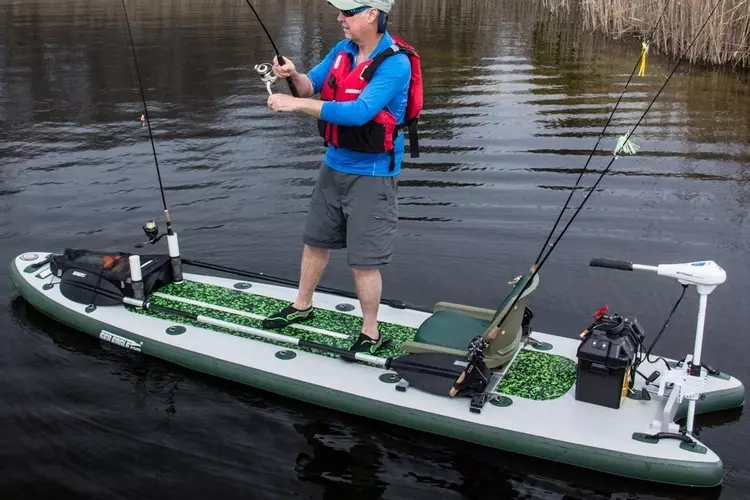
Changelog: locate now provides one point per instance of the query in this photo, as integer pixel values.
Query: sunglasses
(354, 12)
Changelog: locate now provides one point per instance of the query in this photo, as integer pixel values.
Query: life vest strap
(330, 131)
(378, 60)
(413, 138)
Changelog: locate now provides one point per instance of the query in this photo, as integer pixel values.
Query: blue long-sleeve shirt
(388, 89)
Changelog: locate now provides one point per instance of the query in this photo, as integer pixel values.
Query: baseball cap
(382, 5)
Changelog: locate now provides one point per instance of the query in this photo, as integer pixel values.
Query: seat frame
(503, 339)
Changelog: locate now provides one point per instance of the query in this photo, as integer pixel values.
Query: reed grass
(725, 39)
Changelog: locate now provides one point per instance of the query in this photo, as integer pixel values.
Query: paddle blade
(430, 372)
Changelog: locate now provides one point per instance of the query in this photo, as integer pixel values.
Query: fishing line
(148, 121)
(629, 134)
(591, 155)
(292, 88)
(538, 265)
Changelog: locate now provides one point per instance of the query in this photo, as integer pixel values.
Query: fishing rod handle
(289, 80)
(292, 88)
(612, 264)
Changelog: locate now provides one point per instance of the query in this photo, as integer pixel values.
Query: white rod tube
(136, 276)
(135, 268)
(174, 254)
(174, 246)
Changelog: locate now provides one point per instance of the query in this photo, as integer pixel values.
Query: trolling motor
(689, 379)
(267, 76)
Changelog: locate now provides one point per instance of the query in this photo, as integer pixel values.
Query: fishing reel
(151, 229)
(267, 76)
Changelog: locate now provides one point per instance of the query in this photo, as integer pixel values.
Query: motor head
(707, 273)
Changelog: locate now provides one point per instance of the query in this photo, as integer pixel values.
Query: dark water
(515, 101)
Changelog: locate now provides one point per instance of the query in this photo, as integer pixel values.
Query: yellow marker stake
(644, 53)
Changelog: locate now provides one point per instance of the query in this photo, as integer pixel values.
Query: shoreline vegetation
(724, 41)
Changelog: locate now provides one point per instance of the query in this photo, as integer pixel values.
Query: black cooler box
(604, 364)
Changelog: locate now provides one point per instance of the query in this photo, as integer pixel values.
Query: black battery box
(605, 359)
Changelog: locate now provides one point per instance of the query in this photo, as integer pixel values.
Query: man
(354, 202)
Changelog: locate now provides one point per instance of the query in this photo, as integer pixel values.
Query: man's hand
(300, 80)
(284, 71)
(282, 102)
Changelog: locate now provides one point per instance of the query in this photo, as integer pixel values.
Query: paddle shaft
(402, 365)
(389, 363)
(394, 363)
(258, 333)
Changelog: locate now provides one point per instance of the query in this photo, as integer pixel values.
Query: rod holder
(174, 255)
(136, 276)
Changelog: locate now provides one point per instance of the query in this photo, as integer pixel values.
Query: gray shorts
(356, 212)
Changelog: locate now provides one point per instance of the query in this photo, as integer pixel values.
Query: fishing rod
(601, 135)
(152, 230)
(292, 87)
(622, 144)
(395, 303)
(150, 227)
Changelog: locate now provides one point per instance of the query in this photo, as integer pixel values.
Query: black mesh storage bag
(103, 278)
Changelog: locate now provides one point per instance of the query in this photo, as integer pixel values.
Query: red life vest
(379, 134)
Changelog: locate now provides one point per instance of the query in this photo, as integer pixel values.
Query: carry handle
(612, 264)
(599, 368)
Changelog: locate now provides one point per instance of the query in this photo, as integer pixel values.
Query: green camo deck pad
(533, 375)
(265, 306)
(538, 375)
